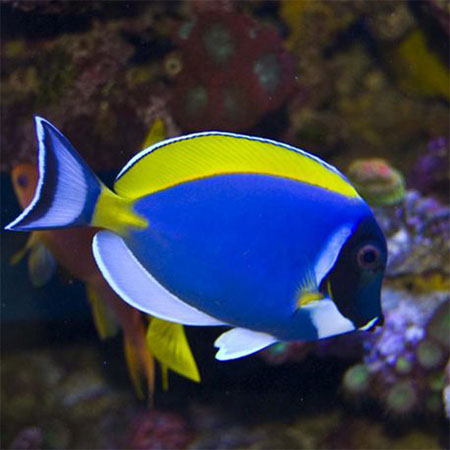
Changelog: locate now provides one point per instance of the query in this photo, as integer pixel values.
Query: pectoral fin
(41, 265)
(239, 342)
(167, 341)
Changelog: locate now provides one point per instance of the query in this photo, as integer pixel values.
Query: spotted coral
(233, 71)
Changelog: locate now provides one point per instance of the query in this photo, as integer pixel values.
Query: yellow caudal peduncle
(115, 213)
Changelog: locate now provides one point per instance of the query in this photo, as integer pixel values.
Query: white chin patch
(327, 319)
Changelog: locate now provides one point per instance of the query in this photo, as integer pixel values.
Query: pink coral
(234, 70)
(154, 429)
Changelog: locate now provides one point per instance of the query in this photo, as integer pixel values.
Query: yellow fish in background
(71, 249)
(418, 69)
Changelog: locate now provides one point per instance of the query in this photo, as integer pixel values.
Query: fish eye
(368, 257)
(22, 180)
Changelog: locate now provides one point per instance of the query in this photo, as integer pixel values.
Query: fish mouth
(372, 324)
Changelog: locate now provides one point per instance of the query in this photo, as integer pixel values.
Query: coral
(313, 25)
(62, 392)
(356, 379)
(390, 23)
(87, 85)
(357, 112)
(377, 182)
(230, 71)
(433, 14)
(404, 360)
(28, 439)
(418, 240)
(430, 173)
(157, 430)
(347, 346)
(446, 391)
(283, 352)
(51, 7)
(327, 429)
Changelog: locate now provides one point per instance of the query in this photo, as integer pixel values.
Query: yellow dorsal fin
(201, 155)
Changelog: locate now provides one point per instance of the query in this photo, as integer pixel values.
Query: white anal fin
(240, 342)
(134, 284)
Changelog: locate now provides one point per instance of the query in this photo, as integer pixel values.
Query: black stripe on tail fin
(67, 189)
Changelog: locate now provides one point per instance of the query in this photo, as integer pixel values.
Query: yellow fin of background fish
(134, 366)
(140, 365)
(164, 377)
(18, 256)
(156, 133)
(105, 323)
(418, 69)
(168, 343)
(206, 154)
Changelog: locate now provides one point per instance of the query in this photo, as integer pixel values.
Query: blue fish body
(237, 246)
(223, 229)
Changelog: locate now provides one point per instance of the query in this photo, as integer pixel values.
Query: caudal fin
(67, 190)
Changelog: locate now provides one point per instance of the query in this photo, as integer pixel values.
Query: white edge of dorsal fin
(136, 286)
(239, 342)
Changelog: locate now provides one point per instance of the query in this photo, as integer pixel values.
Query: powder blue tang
(223, 229)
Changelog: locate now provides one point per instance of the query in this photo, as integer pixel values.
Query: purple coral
(404, 362)
(430, 174)
(27, 439)
(418, 235)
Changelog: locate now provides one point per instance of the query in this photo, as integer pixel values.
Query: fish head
(24, 179)
(354, 282)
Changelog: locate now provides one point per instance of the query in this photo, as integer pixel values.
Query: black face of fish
(355, 281)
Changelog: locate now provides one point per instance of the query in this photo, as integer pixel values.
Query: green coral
(356, 379)
(56, 76)
(377, 182)
(401, 398)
